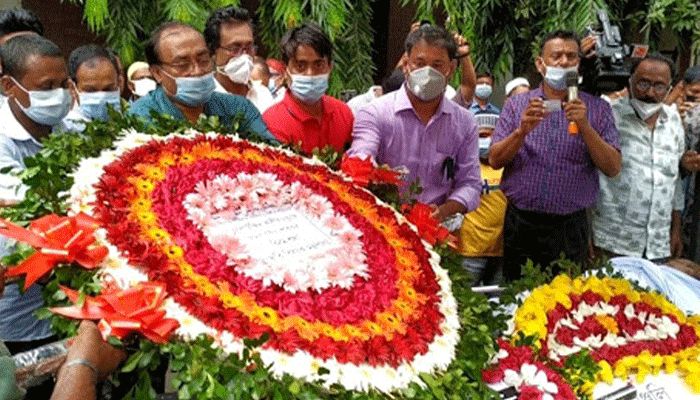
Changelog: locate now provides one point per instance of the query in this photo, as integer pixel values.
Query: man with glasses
(551, 176)
(229, 36)
(182, 66)
(639, 212)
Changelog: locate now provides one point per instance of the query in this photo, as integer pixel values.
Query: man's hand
(532, 116)
(463, 48)
(588, 46)
(676, 243)
(687, 106)
(691, 161)
(89, 345)
(576, 111)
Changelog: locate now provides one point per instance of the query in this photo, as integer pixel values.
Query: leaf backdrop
(505, 34)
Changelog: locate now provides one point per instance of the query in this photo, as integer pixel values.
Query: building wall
(63, 23)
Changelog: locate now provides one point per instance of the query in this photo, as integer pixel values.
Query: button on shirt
(291, 124)
(17, 320)
(389, 131)
(634, 208)
(553, 172)
(227, 107)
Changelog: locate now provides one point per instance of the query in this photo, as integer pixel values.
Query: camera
(609, 70)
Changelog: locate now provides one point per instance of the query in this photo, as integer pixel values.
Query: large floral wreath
(367, 306)
(626, 331)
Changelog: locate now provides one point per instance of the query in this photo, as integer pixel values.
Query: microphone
(572, 85)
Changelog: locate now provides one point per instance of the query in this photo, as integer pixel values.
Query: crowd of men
(512, 184)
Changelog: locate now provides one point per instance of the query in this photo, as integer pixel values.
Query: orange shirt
(289, 123)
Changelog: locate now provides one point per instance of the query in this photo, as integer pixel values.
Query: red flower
(359, 170)
(530, 393)
(429, 228)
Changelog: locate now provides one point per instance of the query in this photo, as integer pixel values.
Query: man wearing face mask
(229, 36)
(277, 76)
(482, 94)
(415, 127)
(307, 116)
(95, 86)
(551, 176)
(139, 80)
(481, 233)
(36, 84)
(181, 64)
(639, 212)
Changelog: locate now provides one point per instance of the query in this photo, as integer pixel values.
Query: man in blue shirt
(36, 85)
(482, 94)
(182, 65)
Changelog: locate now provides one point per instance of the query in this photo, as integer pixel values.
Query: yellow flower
(608, 323)
(158, 235)
(174, 251)
(606, 373)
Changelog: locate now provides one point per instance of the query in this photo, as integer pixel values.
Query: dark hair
(16, 51)
(260, 62)
(433, 35)
(212, 28)
(692, 74)
(655, 57)
(88, 55)
(19, 20)
(484, 74)
(560, 34)
(151, 49)
(308, 34)
(393, 81)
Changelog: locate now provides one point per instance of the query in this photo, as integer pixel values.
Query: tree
(127, 23)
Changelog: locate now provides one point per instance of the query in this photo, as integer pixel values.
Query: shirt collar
(10, 127)
(299, 113)
(402, 102)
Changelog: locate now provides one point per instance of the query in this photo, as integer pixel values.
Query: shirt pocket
(445, 153)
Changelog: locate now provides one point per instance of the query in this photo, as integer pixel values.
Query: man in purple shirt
(551, 176)
(415, 127)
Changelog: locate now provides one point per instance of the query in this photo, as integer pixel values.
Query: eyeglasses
(644, 85)
(238, 49)
(187, 67)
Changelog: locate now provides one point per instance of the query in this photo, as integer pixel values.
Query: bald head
(169, 34)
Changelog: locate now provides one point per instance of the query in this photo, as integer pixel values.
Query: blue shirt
(476, 109)
(225, 106)
(17, 320)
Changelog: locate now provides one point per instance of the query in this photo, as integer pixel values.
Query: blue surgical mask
(309, 89)
(194, 90)
(556, 76)
(46, 107)
(94, 104)
(483, 91)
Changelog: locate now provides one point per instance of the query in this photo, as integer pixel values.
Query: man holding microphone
(551, 148)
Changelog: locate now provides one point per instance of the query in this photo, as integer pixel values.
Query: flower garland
(626, 331)
(515, 366)
(376, 313)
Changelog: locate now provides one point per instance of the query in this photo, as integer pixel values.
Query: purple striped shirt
(552, 172)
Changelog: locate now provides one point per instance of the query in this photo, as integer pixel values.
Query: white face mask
(238, 68)
(644, 109)
(426, 83)
(144, 86)
(556, 76)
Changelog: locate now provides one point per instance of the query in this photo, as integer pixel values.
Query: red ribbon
(421, 215)
(122, 312)
(56, 240)
(363, 172)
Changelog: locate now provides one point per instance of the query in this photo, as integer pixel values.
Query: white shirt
(363, 99)
(633, 214)
(258, 94)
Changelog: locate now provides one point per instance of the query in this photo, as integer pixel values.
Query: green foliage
(346, 23)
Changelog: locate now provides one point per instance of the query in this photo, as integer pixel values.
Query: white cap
(519, 81)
